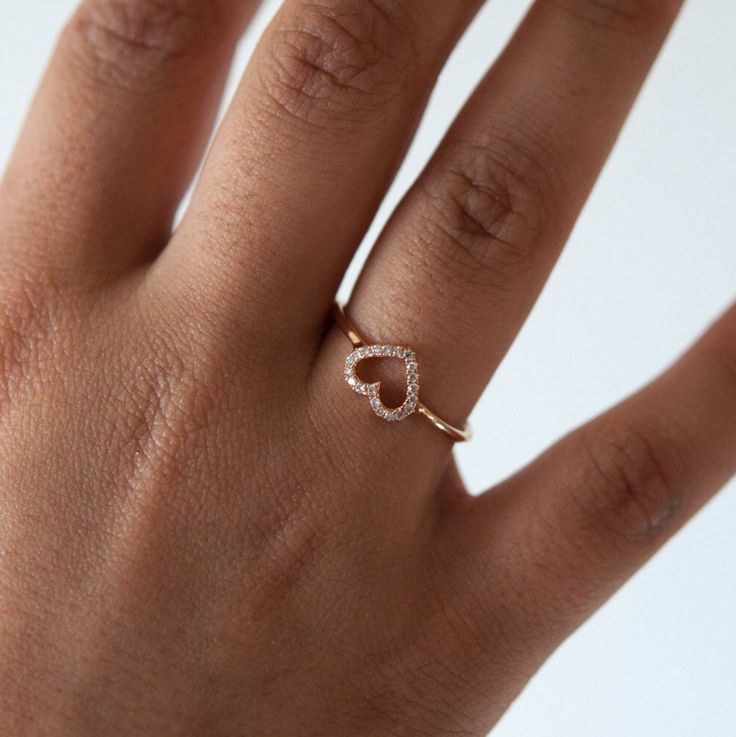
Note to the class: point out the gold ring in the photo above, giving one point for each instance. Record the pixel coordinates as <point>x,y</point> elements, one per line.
<point>411,404</point>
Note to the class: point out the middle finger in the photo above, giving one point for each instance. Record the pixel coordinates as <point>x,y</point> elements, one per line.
<point>322,119</point>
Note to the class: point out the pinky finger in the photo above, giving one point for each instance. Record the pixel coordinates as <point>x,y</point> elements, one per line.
<point>591,510</point>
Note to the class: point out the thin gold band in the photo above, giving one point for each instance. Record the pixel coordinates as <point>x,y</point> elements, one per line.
<point>458,435</point>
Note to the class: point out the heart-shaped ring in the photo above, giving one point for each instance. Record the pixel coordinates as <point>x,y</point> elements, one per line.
<point>373,390</point>
<point>411,404</point>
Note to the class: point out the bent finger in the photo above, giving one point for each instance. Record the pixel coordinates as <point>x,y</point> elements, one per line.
<point>592,509</point>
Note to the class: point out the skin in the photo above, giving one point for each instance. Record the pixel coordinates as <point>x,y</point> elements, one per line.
<point>202,531</point>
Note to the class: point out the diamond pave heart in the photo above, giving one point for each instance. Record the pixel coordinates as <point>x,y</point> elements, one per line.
<point>372,391</point>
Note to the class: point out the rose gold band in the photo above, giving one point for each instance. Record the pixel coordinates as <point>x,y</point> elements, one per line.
<point>362,350</point>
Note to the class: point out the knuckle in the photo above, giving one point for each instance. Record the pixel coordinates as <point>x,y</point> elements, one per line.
<point>337,62</point>
<point>124,42</point>
<point>164,405</point>
<point>485,210</point>
<point>291,545</point>
<point>631,489</point>
<point>625,16</point>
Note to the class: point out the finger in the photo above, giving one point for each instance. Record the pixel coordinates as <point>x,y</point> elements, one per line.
<point>591,510</point>
<point>305,154</point>
<point>116,130</point>
<point>464,257</point>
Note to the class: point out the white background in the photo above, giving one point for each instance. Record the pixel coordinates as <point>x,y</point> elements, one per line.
<point>651,262</point>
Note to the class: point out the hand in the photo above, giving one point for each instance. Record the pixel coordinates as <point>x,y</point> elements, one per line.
<point>202,530</point>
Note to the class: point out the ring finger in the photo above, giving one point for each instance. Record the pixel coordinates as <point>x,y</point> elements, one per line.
<point>464,257</point>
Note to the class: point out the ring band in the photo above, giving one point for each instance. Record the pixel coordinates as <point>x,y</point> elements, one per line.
<point>362,350</point>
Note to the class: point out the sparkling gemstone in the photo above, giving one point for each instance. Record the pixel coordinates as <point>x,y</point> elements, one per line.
<point>372,390</point>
